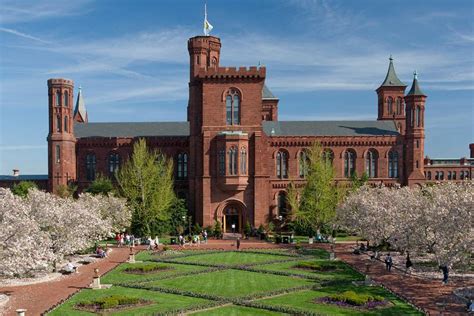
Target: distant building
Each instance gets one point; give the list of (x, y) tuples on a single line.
[(233, 158)]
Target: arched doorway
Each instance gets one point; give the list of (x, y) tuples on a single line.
[(232, 219)]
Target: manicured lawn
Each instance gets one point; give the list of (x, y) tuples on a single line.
[(304, 300), (118, 275), (230, 258), (342, 271), (236, 311), (231, 283), (162, 302)]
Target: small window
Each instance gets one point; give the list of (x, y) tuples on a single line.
[(437, 175), (428, 176), (449, 175), (390, 105), (58, 154), (66, 124), (182, 166), (90, 167), (349, 163), (232, 161), (222, 162), (58, 98), (418, 116), (66, 98), (417, 166), (303, 164), (114, 163), (454, 175), (232, 104), (371, 161), (417, 143), (393, 164), (243, 161), (58, 124), (399, 106), (441, 175), (282, 164), (282, 205)]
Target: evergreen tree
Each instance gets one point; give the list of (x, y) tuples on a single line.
[(320, 195), (101, 185), (146, 181), (21, 188)]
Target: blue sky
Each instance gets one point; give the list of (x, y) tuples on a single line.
[(324, 60)]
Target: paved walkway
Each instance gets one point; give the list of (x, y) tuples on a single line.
[(430, 295)]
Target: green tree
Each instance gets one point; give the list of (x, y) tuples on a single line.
[(357, 182), (146, 181), (21, 188), (179, 214), (316, 207), (101, 185)]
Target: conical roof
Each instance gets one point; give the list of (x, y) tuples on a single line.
[(415, 88), (391, 80), (80, 113)]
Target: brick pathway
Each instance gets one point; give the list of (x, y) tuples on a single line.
[(424, 293)]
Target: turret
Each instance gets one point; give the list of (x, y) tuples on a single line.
[(415, 133), (390, 99), (61, 139), (204, 52)]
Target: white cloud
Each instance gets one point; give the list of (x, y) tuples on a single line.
[(23, 35)]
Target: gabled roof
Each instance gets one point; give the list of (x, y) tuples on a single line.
[(391, 79), (80, 112), (330, 128), (131, 129), (267, 94), (415, 88)]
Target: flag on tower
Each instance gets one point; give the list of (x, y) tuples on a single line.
[(207, 26)]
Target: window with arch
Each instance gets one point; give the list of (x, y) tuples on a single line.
[(399, 106), (328, 156), (390, 105), (58, 154), (243, 160), (412, 115), (441, 175), (418, 116), (58, 124), (66, 127), (454, 175), (282, 205), (371, 162), (58, 98), (282, 164), (233, 161), (349, 162), (221, 158), (232, 105), (182, 166), (66, 99), (428, 175), (393, 164), (214, 62), (114, 163), (303, 163), (90, 167), (437, 175)]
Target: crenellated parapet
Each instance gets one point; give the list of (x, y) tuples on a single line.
[(231, 73)]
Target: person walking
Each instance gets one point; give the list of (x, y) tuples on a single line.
[(445, 270), (238, 243), (204, 236), (408, 264), (388, 262)]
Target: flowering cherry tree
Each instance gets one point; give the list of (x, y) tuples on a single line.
[(436, 219)]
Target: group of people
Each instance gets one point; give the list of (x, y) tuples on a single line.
[(195, 239), (124, 239)]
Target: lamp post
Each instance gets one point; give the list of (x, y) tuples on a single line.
[(280, 222), (189, 223), (184, 221)]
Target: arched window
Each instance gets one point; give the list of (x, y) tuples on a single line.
[(418, 116), (66, 99), (58, 124), (58, 153), (66, 124), (412, 115), (428, 176), (390, 105), (232, 105), (454, 175), (243, 161), (114, 163), (393, 164), (282, 164), (371, 161), (437, 175), (233, 161), (441, 175), (328, 156), (399, 106), (303, 164), (449, 175), (221, 162), (182, 166), (282, 205), (58, 98), (349, 163), (90, 167)]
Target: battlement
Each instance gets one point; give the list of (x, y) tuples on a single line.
[(203, 42), (231, 72), (60, 81)]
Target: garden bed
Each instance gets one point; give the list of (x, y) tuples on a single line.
[(317, 266), (111, 303), (147, 268), (354, 300)]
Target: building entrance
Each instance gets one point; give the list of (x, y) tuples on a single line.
[(232, 220)]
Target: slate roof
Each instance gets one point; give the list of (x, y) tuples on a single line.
[(131, 129), (415, 88), (80, 106), (267, 94), (24, 177), (391, 79), (330, 128)]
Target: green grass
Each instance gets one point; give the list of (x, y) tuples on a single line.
[(118, 275), (236, 311), (231, 283), (304, 300), (230, 258), (162, 302)]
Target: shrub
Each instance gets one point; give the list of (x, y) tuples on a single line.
[(217, 229), (21, 188), (317, 266), (247, 229), (146, 267), (108, 302), (353, 298)]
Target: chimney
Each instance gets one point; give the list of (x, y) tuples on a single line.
[(16, 172)]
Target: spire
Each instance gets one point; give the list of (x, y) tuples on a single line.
[(415, 88), (80, 113), (391, 80)]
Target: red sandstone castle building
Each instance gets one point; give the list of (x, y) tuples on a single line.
[(233, 158)]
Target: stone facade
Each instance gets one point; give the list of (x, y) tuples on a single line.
[(233, 159)]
